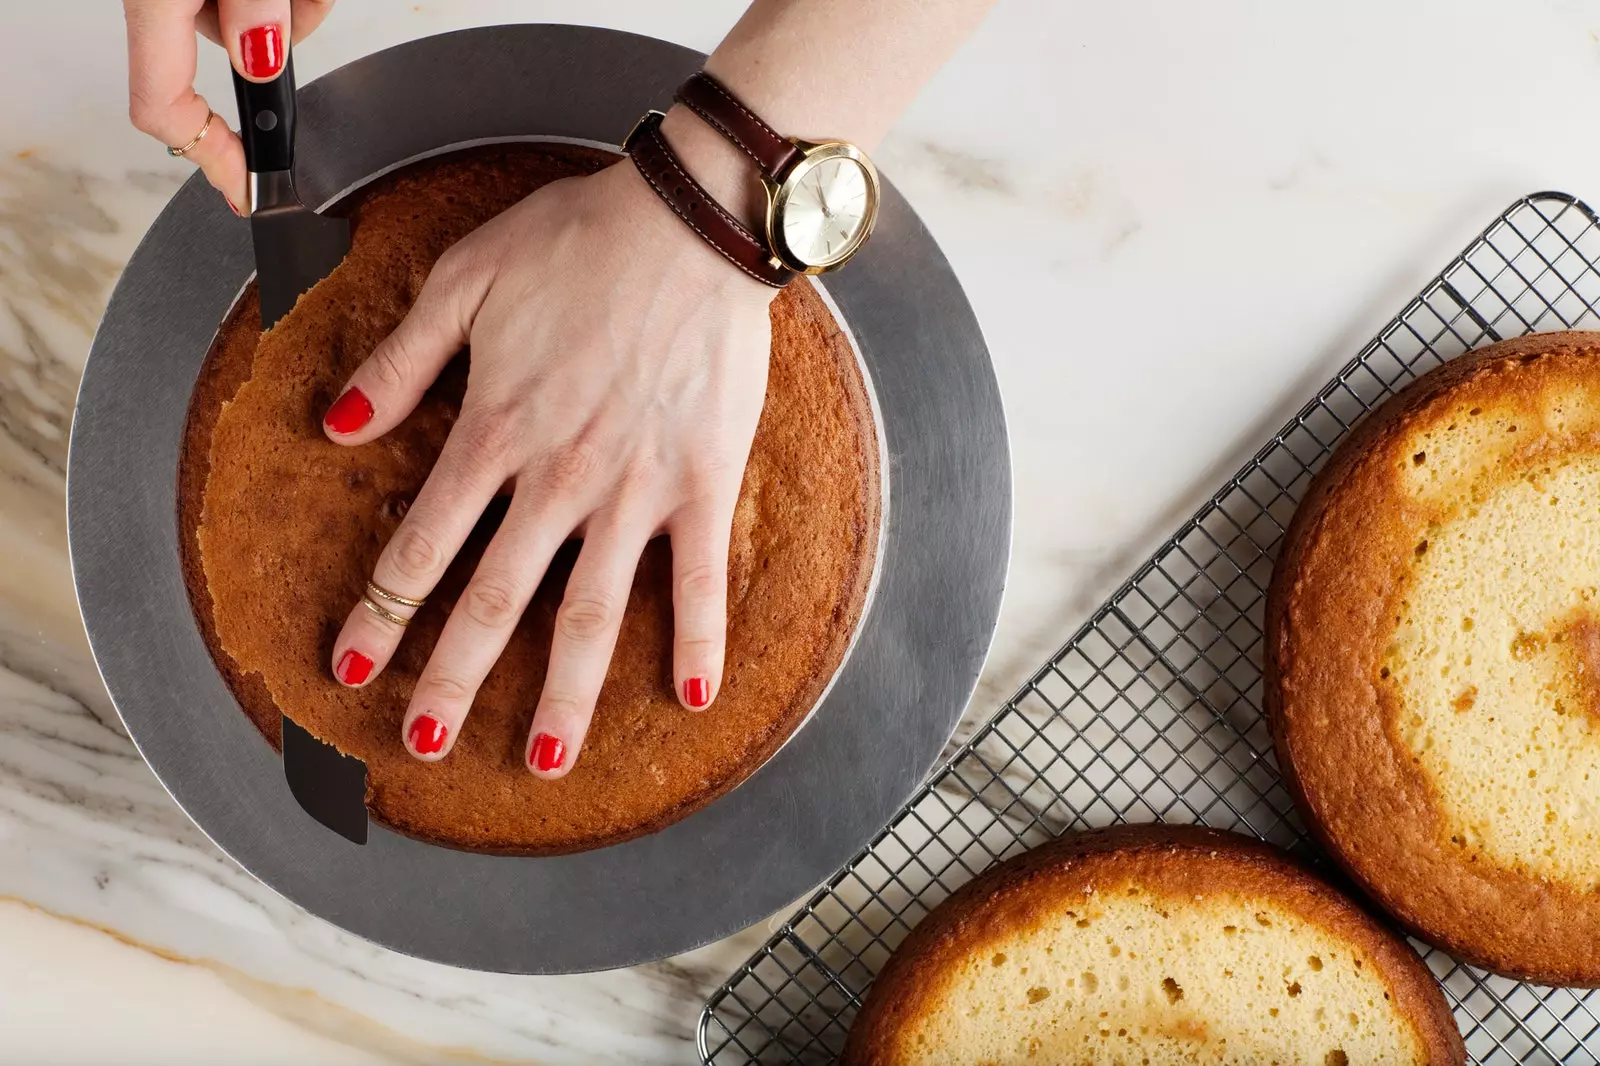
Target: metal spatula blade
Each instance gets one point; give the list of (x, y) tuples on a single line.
[(331, 786), (295, 248)]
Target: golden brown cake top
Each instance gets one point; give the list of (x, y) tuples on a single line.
[(1433, 649), (281, 528), (1156, 945)]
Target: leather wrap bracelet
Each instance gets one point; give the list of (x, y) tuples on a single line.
[(664, 172)]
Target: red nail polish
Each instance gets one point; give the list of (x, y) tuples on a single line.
[(353, 668), (427, 735), (697, 692), (349, 412), (548, 752), (262, 50), (234, 208)]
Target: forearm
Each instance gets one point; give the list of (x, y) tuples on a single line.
[(820, 69), (839, 69)]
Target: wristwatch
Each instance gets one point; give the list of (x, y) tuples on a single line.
[(822, 197)]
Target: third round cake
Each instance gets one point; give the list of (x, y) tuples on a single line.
[(1433, 657)]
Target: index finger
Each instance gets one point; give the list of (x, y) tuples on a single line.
[(162, 52)]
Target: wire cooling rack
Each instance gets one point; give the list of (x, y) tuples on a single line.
[(1152, 711)]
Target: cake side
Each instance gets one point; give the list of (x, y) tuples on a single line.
[(289, 525), (1413, 631), (1153, 944), (226, 367)]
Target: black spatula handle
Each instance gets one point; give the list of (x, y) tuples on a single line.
[(266, 120)]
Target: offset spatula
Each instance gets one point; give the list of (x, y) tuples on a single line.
[(295, 249), (295, 246)]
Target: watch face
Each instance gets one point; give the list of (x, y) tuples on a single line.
[(828, 210)]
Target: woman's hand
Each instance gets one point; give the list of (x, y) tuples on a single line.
[(618, 370), (161, 69)]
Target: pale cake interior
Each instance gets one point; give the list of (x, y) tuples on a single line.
[(1131, 976), (1496, 642)]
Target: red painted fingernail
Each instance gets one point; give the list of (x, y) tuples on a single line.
[(234, 208), (262, 50), (697, 692), (548, 752), (349, 412), (427, 735), (353, 668)]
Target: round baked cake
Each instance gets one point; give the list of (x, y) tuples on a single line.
[(280, 528), (1433, 657), (1152, 945)]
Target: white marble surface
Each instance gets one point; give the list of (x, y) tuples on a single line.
[(1173, 219)]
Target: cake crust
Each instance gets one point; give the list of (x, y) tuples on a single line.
[(1340, 589), (279, 528), (1182, 866)]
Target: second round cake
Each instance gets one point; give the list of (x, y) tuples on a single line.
[(1433, 657)]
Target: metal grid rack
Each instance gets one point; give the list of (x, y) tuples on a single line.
[(1152, 711)]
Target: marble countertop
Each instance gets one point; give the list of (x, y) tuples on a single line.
[(1173, 221)]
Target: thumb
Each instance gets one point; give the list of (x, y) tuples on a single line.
[(256, 35), (387, 386)]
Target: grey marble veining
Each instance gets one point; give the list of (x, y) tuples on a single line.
[(1171, 222)]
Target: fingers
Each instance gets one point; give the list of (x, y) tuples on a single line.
[(587, 624), (481, 625), (161, 97), (411, 564), (699, 600), (256, 35), (387, 386)]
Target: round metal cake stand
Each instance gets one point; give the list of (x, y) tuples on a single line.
[(815, 803)]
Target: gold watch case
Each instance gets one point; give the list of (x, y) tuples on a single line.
[(813, 154)]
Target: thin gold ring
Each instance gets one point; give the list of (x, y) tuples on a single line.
[(383, 593), (384, 612), (179, 153)]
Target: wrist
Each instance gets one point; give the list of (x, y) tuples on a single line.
[(636, 215)]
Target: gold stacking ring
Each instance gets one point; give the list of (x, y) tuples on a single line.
[(384, 612), (384, 594), (186, 149), (376, 590)]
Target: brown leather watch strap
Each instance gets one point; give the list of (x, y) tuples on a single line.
[(659, 166), (711, 100)]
